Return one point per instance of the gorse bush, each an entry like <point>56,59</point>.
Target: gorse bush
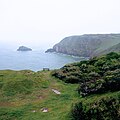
<point>103,109</point>
<point>78,112</point>
<point>97,75</point>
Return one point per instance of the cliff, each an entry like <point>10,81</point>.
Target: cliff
<point>87,45</point>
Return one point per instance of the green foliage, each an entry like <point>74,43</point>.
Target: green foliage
<point>112,55</point>
<point>103,109</point>
<point>90,73</point>
<point>78,112</point>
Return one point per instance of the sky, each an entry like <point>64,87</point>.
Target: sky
<point>43,23</point>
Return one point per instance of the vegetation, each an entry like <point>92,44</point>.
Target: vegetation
<point>97,75</point>
<point>103,109</point>
<point>88,45</point>
<point>115,48</point>
<point>25,94</point>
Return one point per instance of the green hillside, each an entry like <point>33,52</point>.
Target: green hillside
<point>87,89</point>
<point>25,94</point>
<point>114,48</point>
<point>87,45</point>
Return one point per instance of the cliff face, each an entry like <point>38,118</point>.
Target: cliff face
<point>87,45</point>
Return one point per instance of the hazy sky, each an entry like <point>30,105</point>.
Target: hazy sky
<point>45,22</point>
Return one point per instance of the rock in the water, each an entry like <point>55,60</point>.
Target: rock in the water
<point>23,48</point>
<point>49,50</point>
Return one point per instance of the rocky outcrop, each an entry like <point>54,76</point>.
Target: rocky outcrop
<point>87,45</point>
<point>49,50</point>
<point>23,48</point>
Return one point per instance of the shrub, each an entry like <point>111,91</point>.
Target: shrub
<point>112,55</point>
<point>88,73</point>
<point>103,109</point>
<point>72,79</point>
<point>78,112</point>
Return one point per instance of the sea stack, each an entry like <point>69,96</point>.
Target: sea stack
<point>23,48</point>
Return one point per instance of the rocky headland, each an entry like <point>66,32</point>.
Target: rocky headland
<point>88,45</point>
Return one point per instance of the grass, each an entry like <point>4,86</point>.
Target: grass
<point>108,43</point>
<point>18,104</point>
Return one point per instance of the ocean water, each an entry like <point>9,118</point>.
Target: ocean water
<point>34,60</point>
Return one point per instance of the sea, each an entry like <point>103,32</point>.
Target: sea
<point>34,60</point>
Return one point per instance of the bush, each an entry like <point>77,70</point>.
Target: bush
<point>112,55</point>
<point>72,79</point>
<point>78,112</point>
<point>103,109</point>
<point>88,73</point>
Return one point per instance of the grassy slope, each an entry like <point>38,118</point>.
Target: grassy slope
<point>21,105</point>
<point>107,43</point>
<point>114,48</point>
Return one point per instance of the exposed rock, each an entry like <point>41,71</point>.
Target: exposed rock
<point>23,48</point>
<point>44,110</point>
<point>34,111</point>
<point>49,50</point>
<point>56,91</point>
<point>87,45</point>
